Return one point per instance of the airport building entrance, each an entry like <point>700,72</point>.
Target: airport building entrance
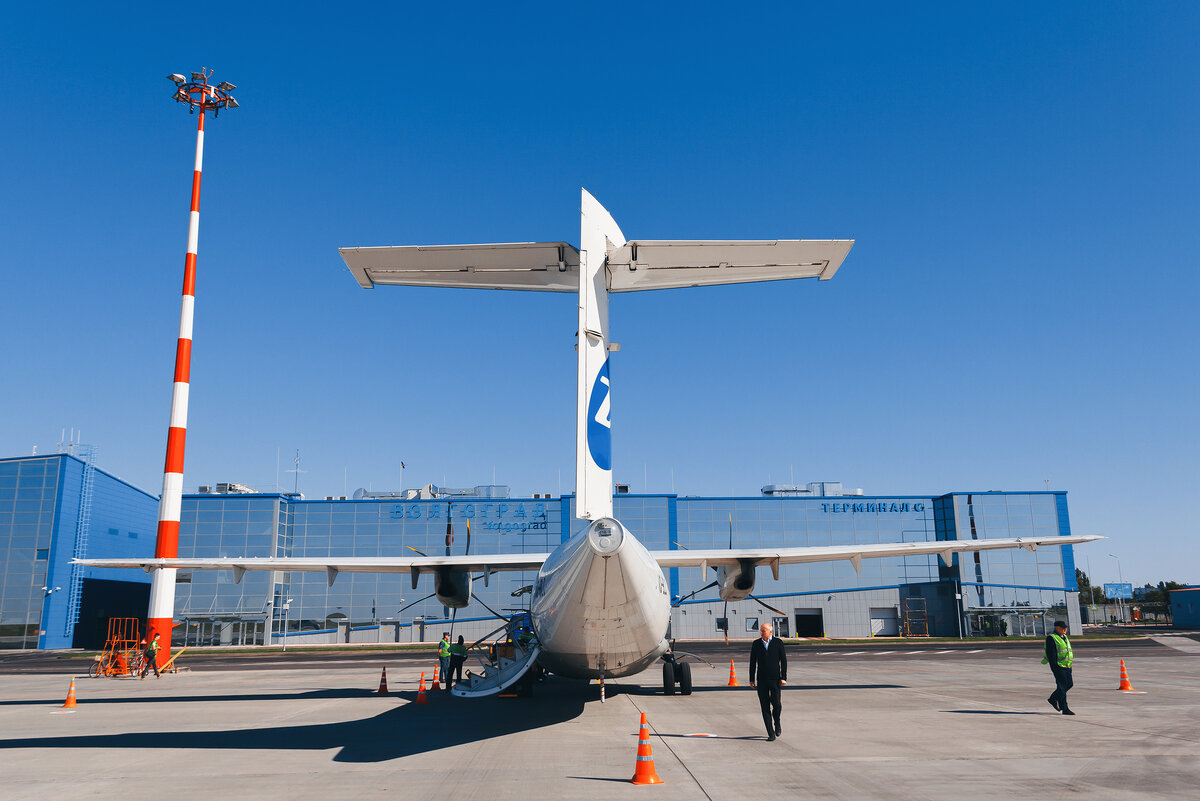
<point>216,632</point>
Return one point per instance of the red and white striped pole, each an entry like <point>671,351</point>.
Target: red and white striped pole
<point>199,94</point>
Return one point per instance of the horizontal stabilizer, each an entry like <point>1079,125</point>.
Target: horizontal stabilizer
<point>540,266</point>
<point>666,264</point>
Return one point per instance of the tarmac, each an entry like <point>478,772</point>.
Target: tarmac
<point>858,723</point>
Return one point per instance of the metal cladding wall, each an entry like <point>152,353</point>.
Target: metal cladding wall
<point>1185,608</point>
<point>40,512</point>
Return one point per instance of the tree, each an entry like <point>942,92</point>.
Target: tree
<point>1087,593</point>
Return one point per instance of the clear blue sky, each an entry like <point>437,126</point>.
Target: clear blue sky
<point>1022,182</point>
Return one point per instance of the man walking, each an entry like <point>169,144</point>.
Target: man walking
<point>1059,656</point>
<point>768,664</point>
<point>151,655</point>
<point>444,659</point>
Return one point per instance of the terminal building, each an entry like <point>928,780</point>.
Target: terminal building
<point>58,507</point>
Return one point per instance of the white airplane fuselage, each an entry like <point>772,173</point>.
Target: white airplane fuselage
<point>600,605</point>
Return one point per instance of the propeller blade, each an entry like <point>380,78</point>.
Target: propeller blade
<point>725,614</point>
<point>493,611</point>
<point>449,530</point>
<point>419,600</point>
<point>422,553</point>
<point>693,593</point>
<point>764,603</point>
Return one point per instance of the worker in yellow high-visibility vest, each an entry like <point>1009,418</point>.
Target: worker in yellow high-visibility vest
<point>150,652</point>
<point>1059,656</point>
<point>444,659</point>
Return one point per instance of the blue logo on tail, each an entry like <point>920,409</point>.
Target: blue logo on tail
<point>599,427</point>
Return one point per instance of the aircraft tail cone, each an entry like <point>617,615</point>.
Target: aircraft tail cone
<point>643,771</point>
<point>382,683</point>
<point>435,685</point>
<point>70,702</point>
<point>1125,686</point>
<point>733,682</point>
<point>422,698</point>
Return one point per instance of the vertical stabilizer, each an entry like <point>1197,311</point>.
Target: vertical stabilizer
<point>598,235</point>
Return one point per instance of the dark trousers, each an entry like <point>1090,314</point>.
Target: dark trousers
<point>151,663</point>
<point>1063,682</point>
<point>456,663</point>
<point>444,669</point>
<point>772,704</point>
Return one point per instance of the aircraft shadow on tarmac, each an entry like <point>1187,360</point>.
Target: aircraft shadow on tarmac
<point>987,712</point>
<point>399,731</point>
<point>638,690</point>
<point>160,699</point>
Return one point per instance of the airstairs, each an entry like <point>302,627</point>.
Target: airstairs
<point>502,663</point>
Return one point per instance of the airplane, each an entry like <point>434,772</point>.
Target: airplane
<point>599,607</point>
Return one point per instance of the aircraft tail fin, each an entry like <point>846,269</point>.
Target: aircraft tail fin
<point>599,234</point>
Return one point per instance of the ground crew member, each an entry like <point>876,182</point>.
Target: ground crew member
<point>768,664</point>
<point>151,655</point>
<point>1059,656</point>
<point>444,658</point>
<point>458,655</point>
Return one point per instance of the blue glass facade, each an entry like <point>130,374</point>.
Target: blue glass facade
<point>53,509</point>
<point>1008,591</point>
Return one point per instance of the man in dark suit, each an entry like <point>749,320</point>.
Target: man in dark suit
<point>768,664</point>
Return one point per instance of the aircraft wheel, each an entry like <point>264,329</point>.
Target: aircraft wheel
<point>684,670</point>
<point>669,678</point>
<point>525,684</point>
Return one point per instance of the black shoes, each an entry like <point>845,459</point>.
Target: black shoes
<point>1067,712</point>
<point>1054,703</point>
<point>770,738</point>
<point>778,730</point>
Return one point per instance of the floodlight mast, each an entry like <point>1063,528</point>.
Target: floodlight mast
<point>198,93</point>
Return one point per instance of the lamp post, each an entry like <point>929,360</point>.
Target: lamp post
<point>196,93</point>
<point>46,593</point>
<point>287,604</point>
<point>1120,578</point>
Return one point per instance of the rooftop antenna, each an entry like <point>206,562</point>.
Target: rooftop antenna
<point>297,471</point>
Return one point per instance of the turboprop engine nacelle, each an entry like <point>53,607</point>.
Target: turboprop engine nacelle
<point>735,583</point>
<point>453,588</point>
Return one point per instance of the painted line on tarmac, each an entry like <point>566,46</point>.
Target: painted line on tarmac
<point>666,743</point>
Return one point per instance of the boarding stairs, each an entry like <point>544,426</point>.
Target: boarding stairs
<point>502,663</point>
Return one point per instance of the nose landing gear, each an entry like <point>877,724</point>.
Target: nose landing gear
<point>676,673</point>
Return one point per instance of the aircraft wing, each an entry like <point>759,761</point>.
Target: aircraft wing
<point>745,557</point>
<point>488,563</point>
<point>666,264</point>
<point>543,266</point>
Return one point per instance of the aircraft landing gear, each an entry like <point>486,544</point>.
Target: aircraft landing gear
<point>676,673</point>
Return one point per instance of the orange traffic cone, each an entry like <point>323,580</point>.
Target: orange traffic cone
<point>70,702</point>
<point>435,685</point>
<point>421,697</point>
<point>1125,686</point>
<point>733,682</point>
<point>643,771</point>
<point>382,682</point>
